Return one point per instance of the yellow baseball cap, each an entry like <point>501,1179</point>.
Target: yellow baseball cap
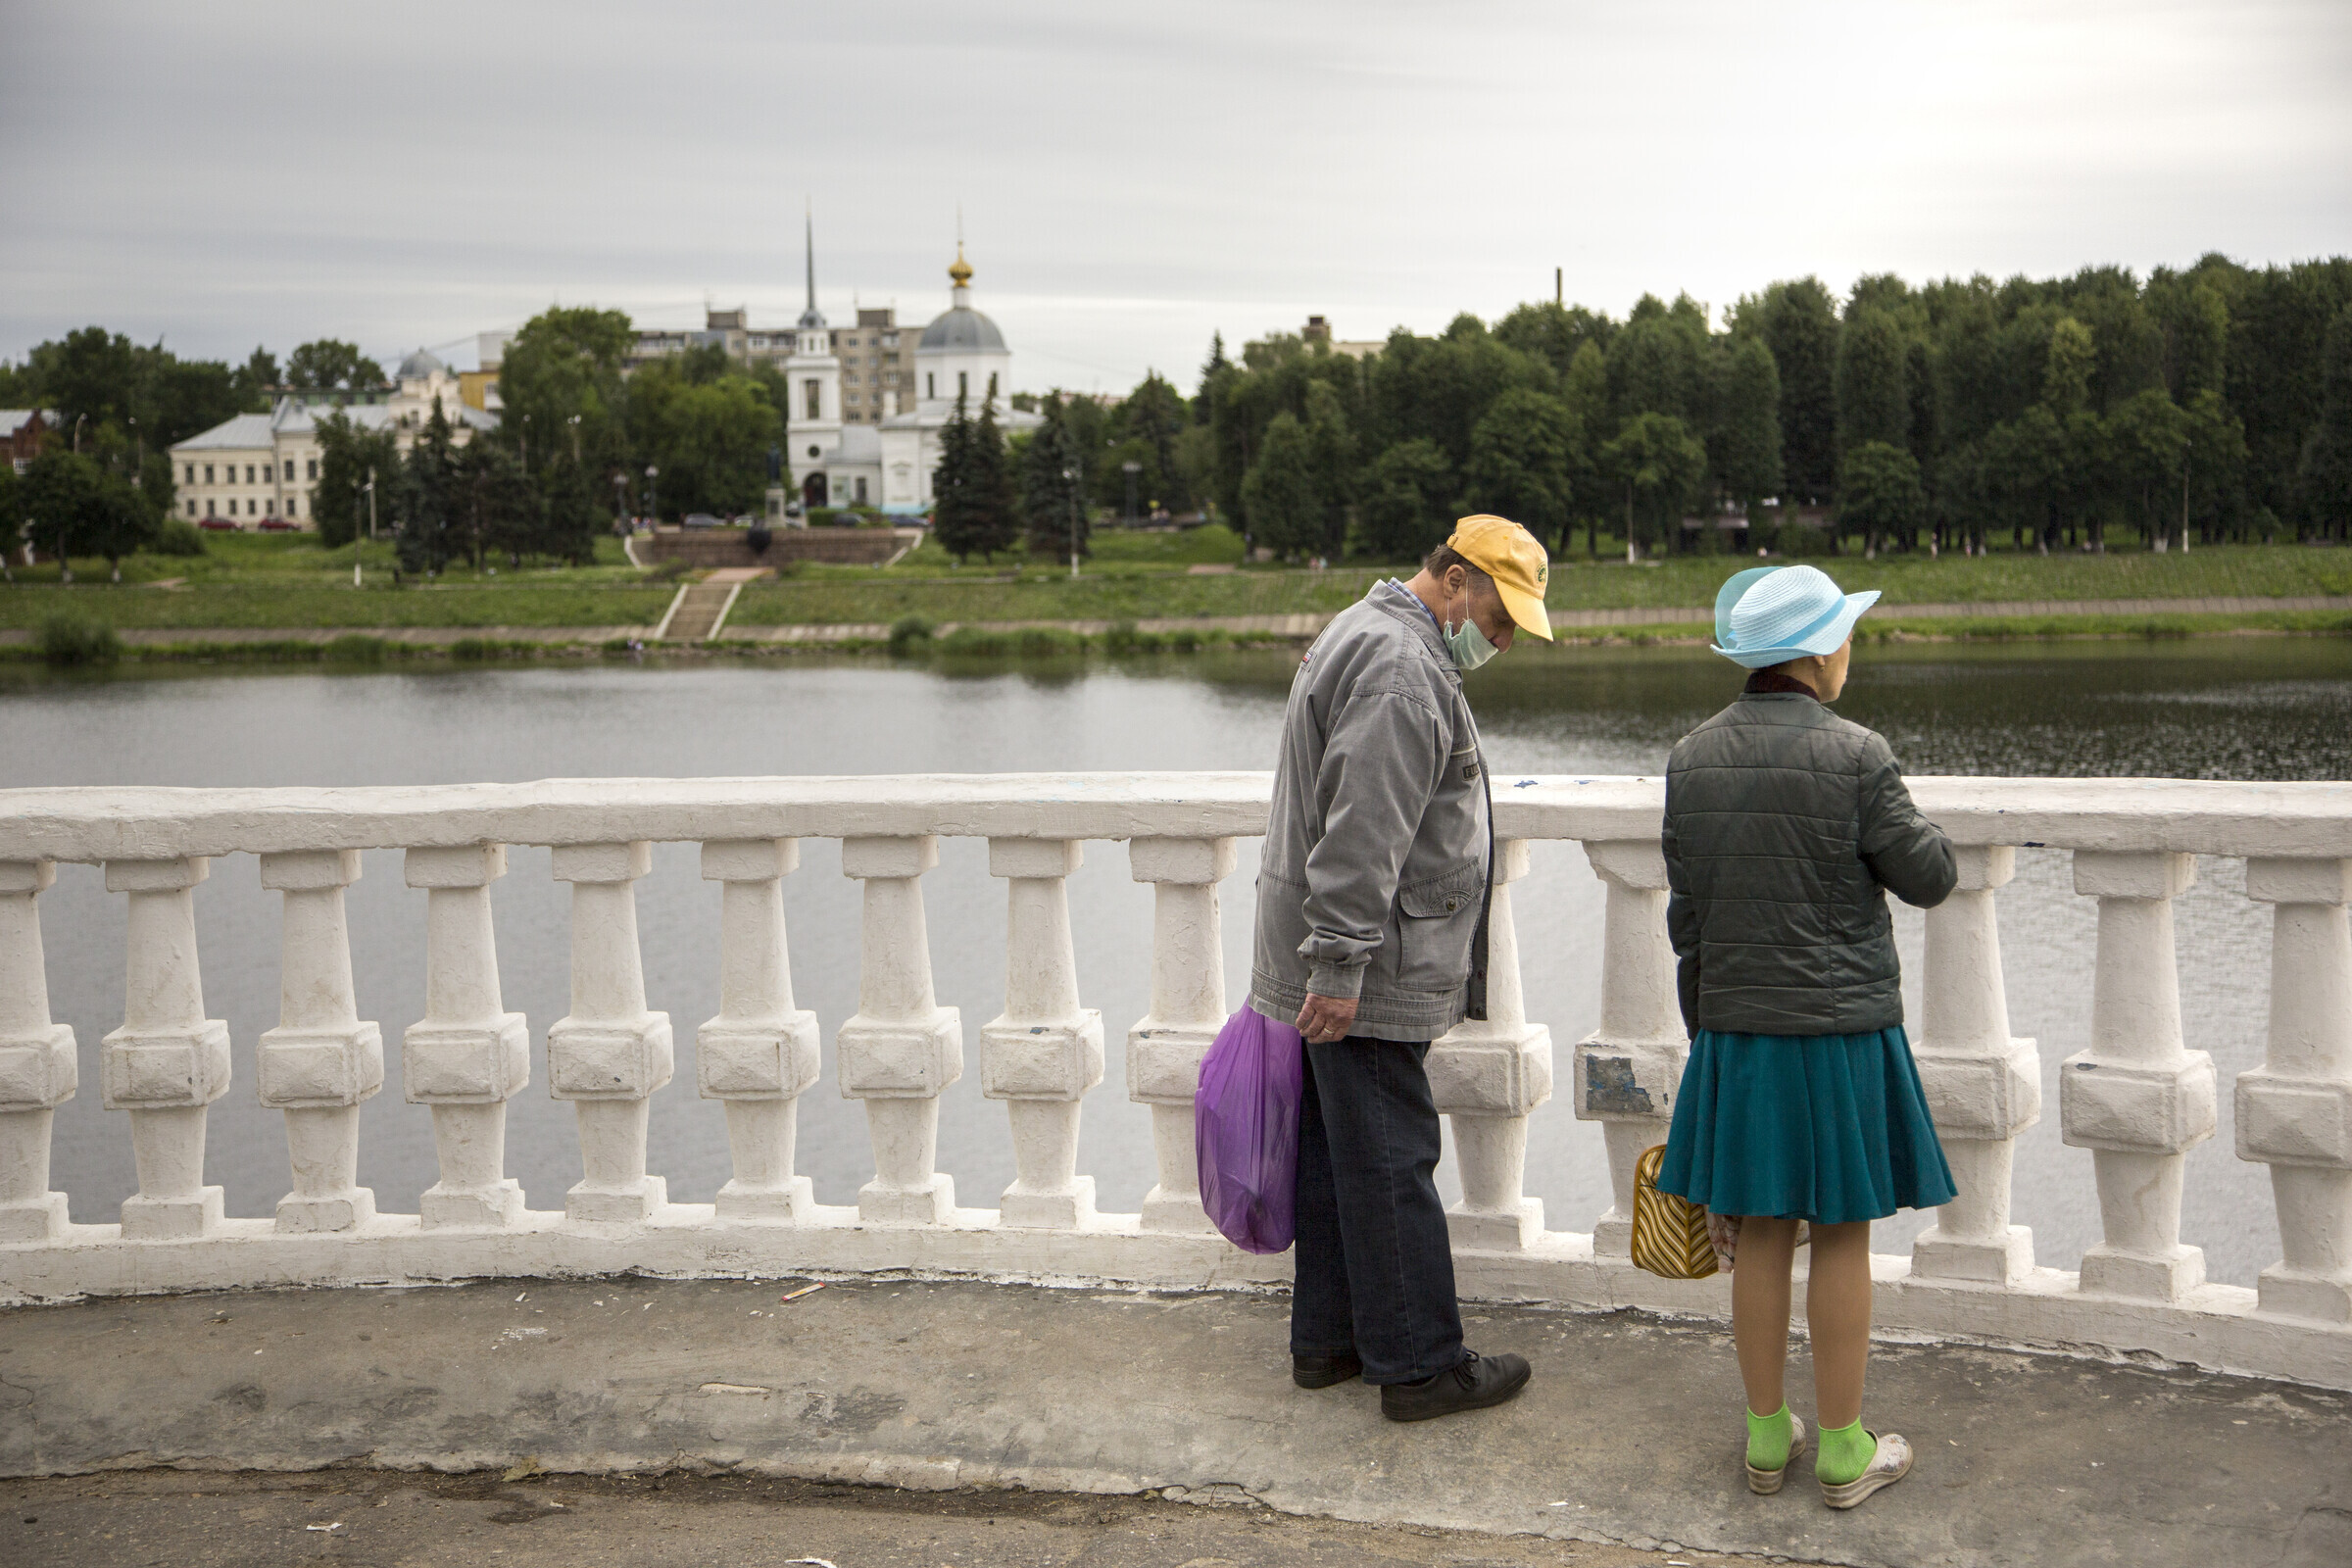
<point>1512,557</point>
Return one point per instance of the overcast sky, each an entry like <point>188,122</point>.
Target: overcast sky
<point>1131,178</point>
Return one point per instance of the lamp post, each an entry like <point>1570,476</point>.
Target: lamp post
<point>1131,470</point>
<point>621,502</point>
<point>1069,478</point>
<point>653,495</point>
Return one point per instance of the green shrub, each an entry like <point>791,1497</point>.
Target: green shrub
<point>70,638</point>
<point>1121,638</point>
<point>1185,641</point>
<point>355,648</point>
<point>178,537</point>
<point>908,635</point>
<point>474,648</point>
<point>970,642</point>
<point>1043,640</point>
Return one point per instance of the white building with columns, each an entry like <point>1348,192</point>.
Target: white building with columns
<point>835,464</point>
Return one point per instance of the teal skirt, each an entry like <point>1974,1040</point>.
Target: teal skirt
<point>1825,1128</point>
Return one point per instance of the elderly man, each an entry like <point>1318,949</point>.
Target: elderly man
<point>1371,934</point>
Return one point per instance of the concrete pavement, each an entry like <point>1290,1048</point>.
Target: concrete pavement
<point>1629,1434</point>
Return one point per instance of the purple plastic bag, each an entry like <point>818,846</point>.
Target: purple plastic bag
<point>1246,1129</point>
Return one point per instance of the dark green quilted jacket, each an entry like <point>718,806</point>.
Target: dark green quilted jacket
<point>1786,827</point>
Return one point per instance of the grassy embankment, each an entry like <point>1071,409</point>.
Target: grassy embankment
<point>255,581</point>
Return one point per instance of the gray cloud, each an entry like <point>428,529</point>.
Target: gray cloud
<point>1131,179</point>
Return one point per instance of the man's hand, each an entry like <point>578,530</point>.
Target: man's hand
<point>1325,1019</point>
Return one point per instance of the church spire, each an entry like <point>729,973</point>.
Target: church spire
<point>811,317</point>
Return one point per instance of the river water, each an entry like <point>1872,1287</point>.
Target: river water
<point>2262,709</point>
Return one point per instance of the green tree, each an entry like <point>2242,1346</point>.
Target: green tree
<point>1153,414</point>
<point>348,456</point>
<point>499,510</point>
<point>565,366</point>
<point>710,438</point>
<point>1406,503</point>
<point>1053,495</point>
<point>1281,502</point>
<point>976,511</point>
<point>1879,495</point>
<point>2324,475</point>
<point>61,498</point>
<point>1874,396</point>
<point>1745,445</point>
<point>331,364</point>
<point>431,521</point>
<point>1657,466</point>
<point>2148,439</point>
<point>1524,457</point>
<point>1332,454</point>
<point>12,519</point>
<point>1798,323</point>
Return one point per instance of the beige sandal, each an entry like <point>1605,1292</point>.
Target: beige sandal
<point>1764,1483</point>
<point>1889,1465</point>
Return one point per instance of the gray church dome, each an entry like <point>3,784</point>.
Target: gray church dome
<point>418,366</point>
<point>963,329</point>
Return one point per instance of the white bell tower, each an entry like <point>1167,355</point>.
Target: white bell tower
<point>812,423</point>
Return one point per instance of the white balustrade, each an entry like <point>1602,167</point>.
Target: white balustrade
<point>467,1055</point>
<point>37,1066</point>
<point>760,1052</point>
<point>1628,1071</point>
<point>1043,1051</point>
<point>1487,1075</point>
<point>610,1053</point>
<point>2135,1097</point>
<point>2294,1112</point>
<point>322,1060</point>
<point>168,1062</point>
<point>1982,1085</point>
<point>902,1048</point>
<point>1187,1007</point>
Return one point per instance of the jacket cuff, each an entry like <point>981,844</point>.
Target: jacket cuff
<point>1341,982</point>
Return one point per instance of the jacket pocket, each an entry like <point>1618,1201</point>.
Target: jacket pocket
<point>1437,921</point>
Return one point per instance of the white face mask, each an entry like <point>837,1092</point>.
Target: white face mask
<point>1466,643</point>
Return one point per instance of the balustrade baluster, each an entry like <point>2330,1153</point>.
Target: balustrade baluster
<point>1045,1051</point>
<point>1628,1071</point>
<point>1487,1075</point>
<point>2135,1097</point>
<point>1984,1087</point>
<point>902,1048</point>
<point>760,1052</point>
<point>323,1059</point>
<point>467,1055</point>
<point>1187,1007</point>
<point>2294,1112</point>
<point>609,1055</point>
<point>168,1062</point>
<point>37,1064</point>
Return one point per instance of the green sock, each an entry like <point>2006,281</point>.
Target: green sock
<point>1768,1440</point>
<point>1845,1452</point>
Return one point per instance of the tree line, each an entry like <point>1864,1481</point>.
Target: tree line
<point>2207,404</point>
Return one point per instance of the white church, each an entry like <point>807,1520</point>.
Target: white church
<point>888,465</point>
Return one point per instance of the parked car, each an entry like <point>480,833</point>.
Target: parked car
<point>217,525</point>
<point>280,525</point>
<point>700,519</point>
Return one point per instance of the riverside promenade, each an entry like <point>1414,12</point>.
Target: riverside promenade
<point>2127,1410</point>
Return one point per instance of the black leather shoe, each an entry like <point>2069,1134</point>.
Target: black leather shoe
<point>1322,1371</point>
<point>1480,1380</point>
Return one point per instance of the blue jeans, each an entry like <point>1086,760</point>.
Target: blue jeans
<point>1374,1264</point>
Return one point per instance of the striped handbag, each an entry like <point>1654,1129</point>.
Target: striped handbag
<point>1670,1233</point>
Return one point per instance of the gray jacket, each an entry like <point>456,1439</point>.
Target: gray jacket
<point>1373,883</point>
<point>1786,827</point>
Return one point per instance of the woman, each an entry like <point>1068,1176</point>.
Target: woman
<point>1785,826</point>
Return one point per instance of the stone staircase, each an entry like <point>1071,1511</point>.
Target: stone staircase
<point>701,607</point>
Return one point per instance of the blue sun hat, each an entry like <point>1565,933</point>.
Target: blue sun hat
<point>1770,615</point>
